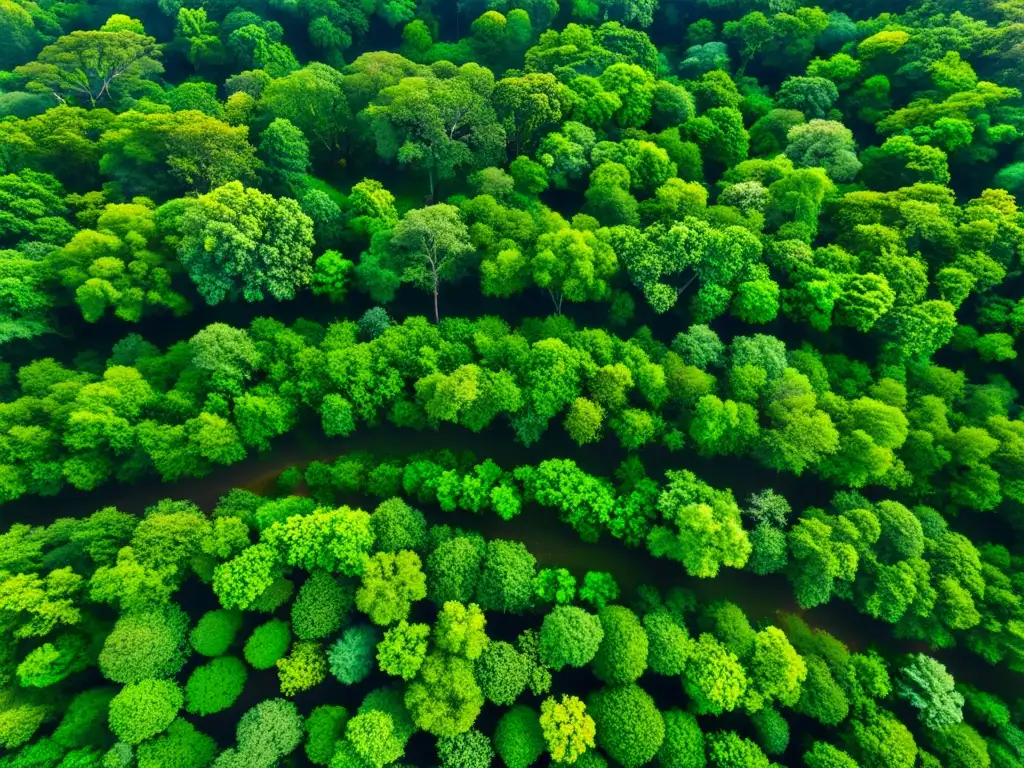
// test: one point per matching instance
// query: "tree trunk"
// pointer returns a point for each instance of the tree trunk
(681, 290)
(437, 313)
(556, 301)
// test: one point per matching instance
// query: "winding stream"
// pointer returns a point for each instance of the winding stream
(552, 542)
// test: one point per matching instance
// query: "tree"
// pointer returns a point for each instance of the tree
(699, 346)
(684, 741)
(901, 536)
(268, 643)
(864, 300)
(622, 655)
(674, 200)
(460, 630)
(573, 264)
(961, 746)
(120, 265)
(768, 507)
(303, 668)
(371, 208)
(629, 726)
(703, 532)
(254, 44)
(814, 96)
(506, 581)
(757, 298)
(519, 739)
(390, 585)
(453, 570)
(438, 124)
(145, 645)
(166, 153)
(531, 178)
(471, 749)
(555, 585)
(239, 242)
(569, 636)
(769, 552)
(929, 688)
(445, 700)
(704, 57)
(24, 306)
(285, 154)
(599, 588)
(239, 582)
(776, 671)
(403, 649)
(268, 732)
(729, 750)
(311, 99)
(372, 735)
(608, 196)
(668, 643)
(824, 755)
(215, 686)
(374, 322)
(884, 741)
(42, 218)
(802, 434)
(181, 745)
(85, 719)
(502, 672)
(817, 560)
(720, 134)
(215, 632)
(565, 153)
(86, 65)
(52, 662)
(22, 35)
(723, 427)
(143, 709)
(822, 698)
(325, 727)
(769, 135)
(567, 728)
(200, 37)
(528, 103)
(672, 105)
(899, 162)
(713, 676)
(21, 718)
(995, 347)
(824, 144)
(352, 655)
(592, 50)
(397, 526)
(429, 246)
(321, 608)
(336, 541)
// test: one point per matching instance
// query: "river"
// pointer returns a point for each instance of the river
(552, 542)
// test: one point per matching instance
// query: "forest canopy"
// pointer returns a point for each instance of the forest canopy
(520, 382)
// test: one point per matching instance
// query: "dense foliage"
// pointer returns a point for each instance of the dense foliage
(656, 257)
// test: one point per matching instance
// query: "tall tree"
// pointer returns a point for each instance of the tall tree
(430, 246)
(439, 125)
(239, 242)
(84, 65)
